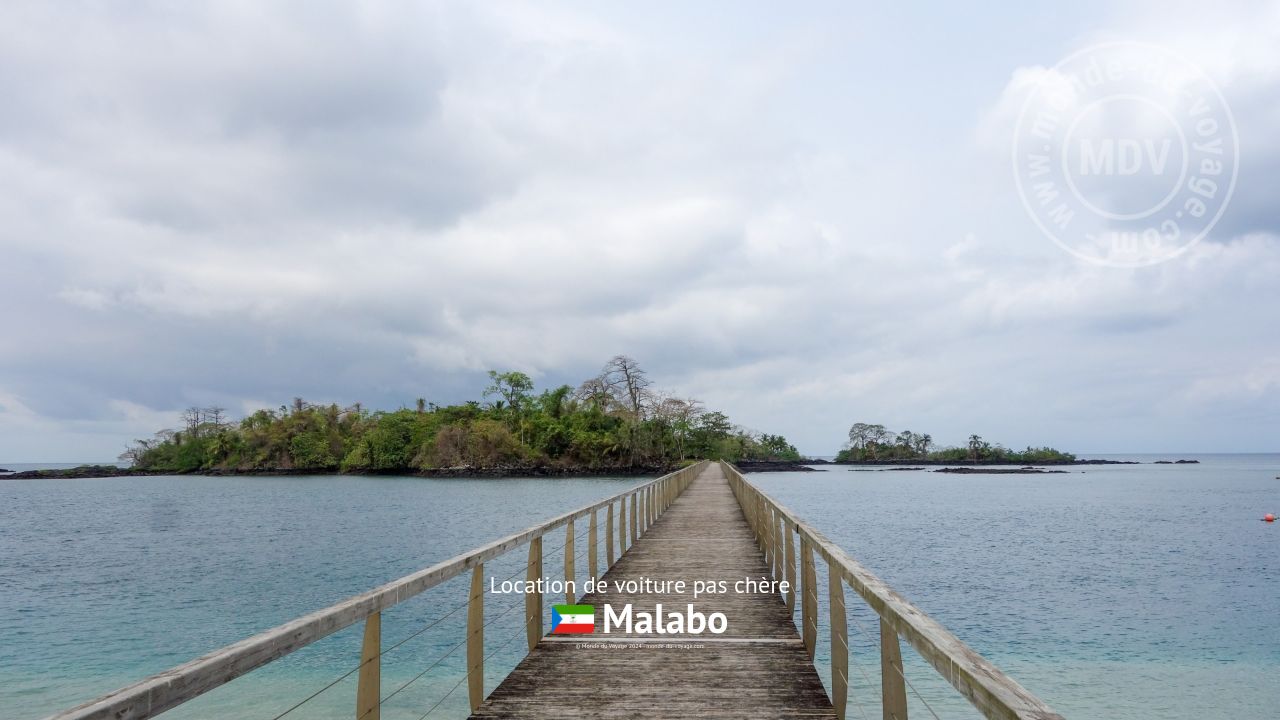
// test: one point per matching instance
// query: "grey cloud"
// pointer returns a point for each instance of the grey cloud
(236, 205)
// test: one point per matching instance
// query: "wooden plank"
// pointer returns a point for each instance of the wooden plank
(168, 689)
(570, 594)
(757, 669)
(775, 533)
(893, 685)
(609, 555)
(808, 597)
(839, 646)
(591, 547)
(622, 528)
(533, 600)
(634, 533)
(369, 685)
(791, 570)
(475, 638)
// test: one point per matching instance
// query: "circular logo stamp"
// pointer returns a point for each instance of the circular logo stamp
(1125, 154)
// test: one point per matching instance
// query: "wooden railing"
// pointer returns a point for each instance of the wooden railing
(638, 508)
(993, 693)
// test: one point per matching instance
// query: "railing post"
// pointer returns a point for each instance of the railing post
(644, 510)
(591, 547)
(764, 529)
(893, 685)
(570, 594)
(634, 535)
(839, 644)
(766, 516)
(753, 511)
(791, 570)
(808, 597)
(533, 599)
(609, 555)
(622, 526)
(775, 532)
(475, 638)
(369, 689)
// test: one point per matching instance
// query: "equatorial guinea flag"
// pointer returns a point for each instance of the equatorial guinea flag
(572, 619)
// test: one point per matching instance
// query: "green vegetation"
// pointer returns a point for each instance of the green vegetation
(874, 443)
(612, 421)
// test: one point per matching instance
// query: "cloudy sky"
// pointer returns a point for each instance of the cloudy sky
(804, 218)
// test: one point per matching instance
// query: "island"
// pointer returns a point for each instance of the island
(617, 422)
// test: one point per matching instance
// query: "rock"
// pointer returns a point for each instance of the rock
(998, 471)
(83, 471)
(749, 466)
(1186, 462)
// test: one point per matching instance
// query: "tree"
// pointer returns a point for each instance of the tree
(679, 416)
(629, 380)
(595, 393)
(514, 388)
(975, 446)
(191, 418)
(215, 416)
(922, 444)
(612, 421)
(860, 434)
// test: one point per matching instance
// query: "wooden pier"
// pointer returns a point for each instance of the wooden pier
(758, 668)
(705, 522)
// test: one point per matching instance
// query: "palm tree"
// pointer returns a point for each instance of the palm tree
(975, 444)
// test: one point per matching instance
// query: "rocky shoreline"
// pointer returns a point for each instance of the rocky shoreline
(109, 471)
(746, 466)
(1000, 471)
(949, 466)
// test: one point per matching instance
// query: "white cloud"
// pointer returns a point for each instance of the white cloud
(379, 202)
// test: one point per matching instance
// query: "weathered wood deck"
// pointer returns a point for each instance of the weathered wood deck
(757, 669)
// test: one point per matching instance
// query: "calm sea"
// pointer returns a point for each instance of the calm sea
(1147, 591)
(1118, 592)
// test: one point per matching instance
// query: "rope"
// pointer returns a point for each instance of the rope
(854, 697)
(482, 661)
(428, 626)
(603, 538)
(895, 667)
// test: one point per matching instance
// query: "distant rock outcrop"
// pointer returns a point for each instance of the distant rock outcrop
(998, 471)
(750, 466)
(83, 471)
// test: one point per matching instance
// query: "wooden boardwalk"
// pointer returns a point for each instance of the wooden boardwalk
(703, 522)
(758, 668)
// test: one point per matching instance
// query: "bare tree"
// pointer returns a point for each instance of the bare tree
(594, 391)
(680, 414)
(191, 418)
(629, 380)
(215, 416)
(134, 453)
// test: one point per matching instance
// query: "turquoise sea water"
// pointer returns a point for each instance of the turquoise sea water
(1120, 592)
(1125, 592)
(103, 582)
